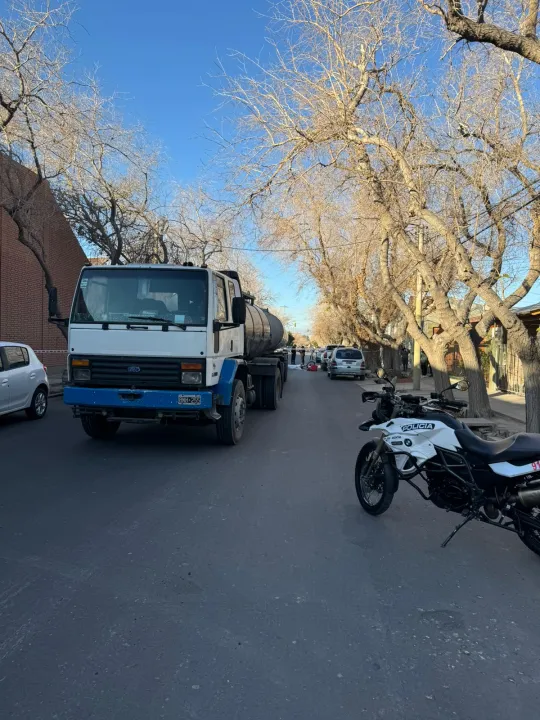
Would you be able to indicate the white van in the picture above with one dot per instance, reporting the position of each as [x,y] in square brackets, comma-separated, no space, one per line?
[347,361]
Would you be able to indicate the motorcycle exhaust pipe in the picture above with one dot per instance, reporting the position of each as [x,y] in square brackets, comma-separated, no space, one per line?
[529,498]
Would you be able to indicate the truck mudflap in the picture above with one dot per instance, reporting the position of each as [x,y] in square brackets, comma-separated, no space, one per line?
[141,399]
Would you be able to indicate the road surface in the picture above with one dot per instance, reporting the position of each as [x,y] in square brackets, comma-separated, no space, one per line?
[164,576]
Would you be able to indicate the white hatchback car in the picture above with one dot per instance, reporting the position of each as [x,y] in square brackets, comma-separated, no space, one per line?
[23,381]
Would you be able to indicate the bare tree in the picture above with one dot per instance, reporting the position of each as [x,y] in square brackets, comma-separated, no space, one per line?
[108,193]
[329,247]
[336,99]
[510,25]
[35,104]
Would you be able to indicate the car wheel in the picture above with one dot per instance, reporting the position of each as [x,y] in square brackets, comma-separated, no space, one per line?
[39,405]
[331,376]
[361,378]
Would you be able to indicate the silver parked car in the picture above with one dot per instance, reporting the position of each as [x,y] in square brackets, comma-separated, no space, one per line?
[23,381]
[347,361]
[326,355]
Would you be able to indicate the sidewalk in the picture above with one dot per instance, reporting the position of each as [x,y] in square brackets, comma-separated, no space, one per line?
[506,405]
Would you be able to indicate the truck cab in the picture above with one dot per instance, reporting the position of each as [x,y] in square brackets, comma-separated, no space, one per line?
[163,343]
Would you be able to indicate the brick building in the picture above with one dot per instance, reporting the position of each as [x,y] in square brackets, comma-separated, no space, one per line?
[23,299]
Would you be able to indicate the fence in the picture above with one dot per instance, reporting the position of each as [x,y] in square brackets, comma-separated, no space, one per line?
[510,373]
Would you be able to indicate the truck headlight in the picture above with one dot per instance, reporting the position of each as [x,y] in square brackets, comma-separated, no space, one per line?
[192,378]
[81,374]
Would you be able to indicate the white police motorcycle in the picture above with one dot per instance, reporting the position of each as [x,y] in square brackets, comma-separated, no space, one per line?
[423,443]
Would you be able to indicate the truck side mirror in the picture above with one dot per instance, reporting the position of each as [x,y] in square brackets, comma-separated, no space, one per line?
[53,302]
[238,310]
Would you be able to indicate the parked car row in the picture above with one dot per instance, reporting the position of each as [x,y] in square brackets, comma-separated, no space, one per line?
[339,360]
[23,381]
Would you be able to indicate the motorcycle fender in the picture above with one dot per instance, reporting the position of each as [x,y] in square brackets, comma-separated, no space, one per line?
[390,472]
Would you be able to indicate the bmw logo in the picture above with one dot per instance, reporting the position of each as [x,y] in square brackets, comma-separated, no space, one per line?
[134,369]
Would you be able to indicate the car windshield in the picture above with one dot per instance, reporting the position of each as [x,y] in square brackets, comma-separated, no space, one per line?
[176,295]
[349,354]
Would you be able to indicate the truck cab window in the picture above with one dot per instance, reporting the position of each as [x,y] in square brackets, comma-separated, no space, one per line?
[221,299]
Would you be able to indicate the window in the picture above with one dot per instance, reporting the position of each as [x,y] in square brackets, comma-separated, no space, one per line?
[118,296]
[221,299]
[15,357]
[349,355]
[1,362]
[25,355]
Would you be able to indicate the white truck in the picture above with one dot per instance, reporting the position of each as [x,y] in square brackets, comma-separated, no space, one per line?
[166,344]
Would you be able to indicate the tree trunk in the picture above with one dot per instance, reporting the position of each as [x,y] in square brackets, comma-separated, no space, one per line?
[435,355]
[22,238]
[388,359]
[478,397]
[531,374]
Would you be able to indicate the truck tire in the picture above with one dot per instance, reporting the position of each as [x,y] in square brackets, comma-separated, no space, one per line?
[271,391]
[230,426]
[285,372]
[98,428]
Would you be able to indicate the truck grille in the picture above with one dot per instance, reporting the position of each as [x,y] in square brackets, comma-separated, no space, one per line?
[128,372]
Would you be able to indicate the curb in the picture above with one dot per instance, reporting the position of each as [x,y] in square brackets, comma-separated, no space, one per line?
[508,417]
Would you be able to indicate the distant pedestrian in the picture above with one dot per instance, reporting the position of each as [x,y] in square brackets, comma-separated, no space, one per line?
[302,355]
[423,363]
[293,355]
[404,354]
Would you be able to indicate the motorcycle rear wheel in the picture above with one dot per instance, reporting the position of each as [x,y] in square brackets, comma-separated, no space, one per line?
[376,491]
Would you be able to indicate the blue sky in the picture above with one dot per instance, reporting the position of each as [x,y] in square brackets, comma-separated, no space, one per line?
[158,55]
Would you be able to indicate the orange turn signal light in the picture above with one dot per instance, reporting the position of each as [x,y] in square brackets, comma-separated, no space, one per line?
[76,362]
[191,366]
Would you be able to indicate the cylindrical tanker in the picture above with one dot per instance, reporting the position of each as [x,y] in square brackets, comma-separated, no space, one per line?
[264,332]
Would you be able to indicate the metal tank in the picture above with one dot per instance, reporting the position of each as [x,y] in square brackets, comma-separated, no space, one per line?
[264,332]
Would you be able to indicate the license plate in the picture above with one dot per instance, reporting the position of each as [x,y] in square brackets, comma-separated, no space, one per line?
[189,399]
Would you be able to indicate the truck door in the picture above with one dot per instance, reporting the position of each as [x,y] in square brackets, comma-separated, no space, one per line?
[224,345]
[220,313]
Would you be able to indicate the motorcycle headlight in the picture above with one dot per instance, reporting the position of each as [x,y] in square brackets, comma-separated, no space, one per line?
[191,378]
[81,374]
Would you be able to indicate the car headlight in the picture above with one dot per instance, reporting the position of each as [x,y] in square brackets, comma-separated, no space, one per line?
[81,374]
[191,378]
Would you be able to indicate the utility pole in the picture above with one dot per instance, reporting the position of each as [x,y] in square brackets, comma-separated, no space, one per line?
[417,373]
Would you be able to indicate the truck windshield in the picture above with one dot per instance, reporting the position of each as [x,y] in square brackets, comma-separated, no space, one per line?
[107,295]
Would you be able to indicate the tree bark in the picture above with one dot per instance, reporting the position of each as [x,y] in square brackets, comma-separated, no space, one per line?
[478,397]
[527,45]
[531,374]
[435,355]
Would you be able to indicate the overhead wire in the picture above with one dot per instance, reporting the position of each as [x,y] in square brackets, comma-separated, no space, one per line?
[361,242]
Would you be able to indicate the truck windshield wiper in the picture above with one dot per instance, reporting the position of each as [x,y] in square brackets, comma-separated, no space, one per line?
[163,321]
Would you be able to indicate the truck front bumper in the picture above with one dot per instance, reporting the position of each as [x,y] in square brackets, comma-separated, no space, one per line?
[167,400]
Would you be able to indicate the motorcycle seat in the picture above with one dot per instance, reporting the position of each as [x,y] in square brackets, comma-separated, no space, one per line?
[520,447]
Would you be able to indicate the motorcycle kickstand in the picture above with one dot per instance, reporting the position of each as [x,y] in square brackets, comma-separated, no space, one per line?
[469,517]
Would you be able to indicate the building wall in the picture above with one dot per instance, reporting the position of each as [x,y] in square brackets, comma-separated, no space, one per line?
[23,299]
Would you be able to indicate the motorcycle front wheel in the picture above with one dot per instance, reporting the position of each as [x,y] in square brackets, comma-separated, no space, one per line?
[375,483]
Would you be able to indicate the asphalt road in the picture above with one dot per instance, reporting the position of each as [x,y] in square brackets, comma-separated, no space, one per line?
[164,576]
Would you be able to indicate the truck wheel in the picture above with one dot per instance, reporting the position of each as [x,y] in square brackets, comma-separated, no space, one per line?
[272,390]
[285,372]
[230,426]
[99,428]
